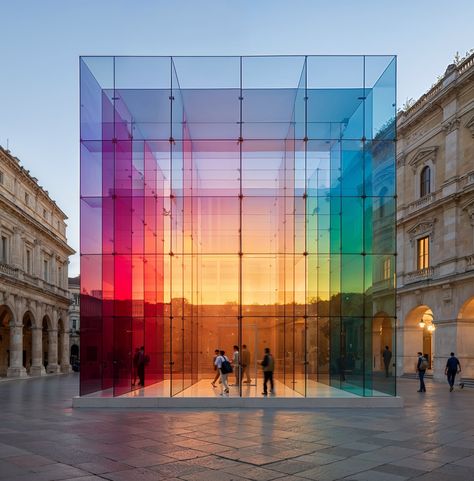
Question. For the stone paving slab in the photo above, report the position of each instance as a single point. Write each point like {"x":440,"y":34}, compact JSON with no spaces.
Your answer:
{"x":42,"y":438}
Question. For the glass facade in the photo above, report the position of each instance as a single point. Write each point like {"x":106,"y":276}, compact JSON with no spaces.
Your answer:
{"x":238,"y":201}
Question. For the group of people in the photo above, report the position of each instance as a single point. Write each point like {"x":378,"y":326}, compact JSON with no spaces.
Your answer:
{"x":240,"y":366}
{"x":453,"y":367}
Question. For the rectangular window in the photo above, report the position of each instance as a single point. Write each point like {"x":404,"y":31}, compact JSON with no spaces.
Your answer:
{"x":28,"y":261}
{"x":386,"y":269}
{"x":1,"y":177}
{"x":60,"y":280}
{"x":45,"y":270}
{"x":423,"y":253}
{"x":27,"y":198}
{"x":4,"y":253}
{"x":74,"y":324}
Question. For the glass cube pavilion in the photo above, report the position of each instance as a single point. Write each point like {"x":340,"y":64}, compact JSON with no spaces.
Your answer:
{"x":238,"y":201}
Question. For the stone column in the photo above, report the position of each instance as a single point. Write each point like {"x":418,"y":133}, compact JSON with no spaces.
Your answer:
{"x":37,"y":259}
{"x":65,"y":363}
{"x":16,"y":368}
{"x":412,"y":342}
{"x":37,"y":367}
{"x":52,"y":367}
{"x":15,"y":250}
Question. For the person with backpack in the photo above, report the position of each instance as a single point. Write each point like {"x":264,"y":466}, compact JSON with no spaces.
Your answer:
{"x":453,"y":366}
{"x":224,"y":367}
{"x":421,"y":367}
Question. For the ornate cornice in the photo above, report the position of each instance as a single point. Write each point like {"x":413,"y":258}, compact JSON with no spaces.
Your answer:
{"x":422,"y":155}
{"x":32,"y":182}
{"x":422,"y":228}
{"x":31,"y":221}
{"x":470,"y":125}
{"x":469,"y":208}
{"x":451,"y":125}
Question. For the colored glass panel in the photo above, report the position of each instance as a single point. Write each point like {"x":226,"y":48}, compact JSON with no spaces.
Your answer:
{"x":237,"y":200}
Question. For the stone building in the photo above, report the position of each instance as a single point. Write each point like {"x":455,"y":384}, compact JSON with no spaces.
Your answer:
{"x":74,"y":284}
{"x":435,"y":224}
{"x":34,"y":296}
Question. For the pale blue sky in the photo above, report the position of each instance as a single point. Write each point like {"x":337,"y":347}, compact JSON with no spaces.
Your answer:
{"x":41,"y":40}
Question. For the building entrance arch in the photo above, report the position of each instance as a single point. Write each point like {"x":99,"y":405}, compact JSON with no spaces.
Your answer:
{"x":465,"y":333}
{"x":45,"y":340}
{"x":418,"y":336}
{"x":6,"y":317}
{"x":60,"y":341}
{"x":382,"y":335}
{"x":27,"y":341}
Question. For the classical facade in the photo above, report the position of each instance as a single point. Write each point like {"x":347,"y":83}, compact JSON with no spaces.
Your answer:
{"x":34,"y":296}
{"x":74,"y":317}
{"x":435,"y":224}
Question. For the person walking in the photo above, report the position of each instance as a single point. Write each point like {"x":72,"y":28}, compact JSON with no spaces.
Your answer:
{"x":142,"y":361}
{"x":268,"y":365}
{"x":136,"y":358}
{"x":453,"y":366}
{"x":216,"y":377}
{"x":421,"y":367}
{"x":235,"y":365}
{"x":224,"y":368}
{"x":387,"y":357}
{"x":245,"y":362}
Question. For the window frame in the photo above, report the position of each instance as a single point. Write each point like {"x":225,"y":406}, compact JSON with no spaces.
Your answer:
{"x":423,"y":253}
{"x":425,"y":181}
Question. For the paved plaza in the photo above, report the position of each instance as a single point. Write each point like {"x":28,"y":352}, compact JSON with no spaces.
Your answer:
{"x":44,"y":439}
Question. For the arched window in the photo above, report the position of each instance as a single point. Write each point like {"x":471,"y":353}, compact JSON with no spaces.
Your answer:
{"x":425,"y":181}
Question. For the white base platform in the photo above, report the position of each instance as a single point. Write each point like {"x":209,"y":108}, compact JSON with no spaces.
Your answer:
{"x":234,"y":402}
{"x":202,"y":395}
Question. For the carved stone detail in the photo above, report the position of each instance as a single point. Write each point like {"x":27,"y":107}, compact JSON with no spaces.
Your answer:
{"x":422,"y":155}
{"x":470,"y":125}
{"x":422,"y":228}
{"x":451,"y":125}
{"x":469,"y":208}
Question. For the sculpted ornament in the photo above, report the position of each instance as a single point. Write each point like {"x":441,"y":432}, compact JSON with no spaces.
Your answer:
{"x":423,"y":228}
{"x":422,"y":155}
{"x":470,"y":125}
{"x":451,"y":125}
{"x":469,"y":208}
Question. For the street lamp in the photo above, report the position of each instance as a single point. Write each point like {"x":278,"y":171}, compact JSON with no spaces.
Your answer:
{"x":431,"y":327}
{"x":422,"y":324}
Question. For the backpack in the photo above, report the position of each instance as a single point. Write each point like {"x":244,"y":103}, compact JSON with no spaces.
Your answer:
{"x":226,"y":367}
{"x":423,"y":364}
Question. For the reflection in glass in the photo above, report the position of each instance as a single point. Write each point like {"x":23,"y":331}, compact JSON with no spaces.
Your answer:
{"x":238,"y":204}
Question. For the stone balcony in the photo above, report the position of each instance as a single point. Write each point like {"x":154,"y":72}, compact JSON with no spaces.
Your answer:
{"x":9,"y":270}
{"x":16,"y":273}
{"x":421,"y":203}
{"x":419,"y":275}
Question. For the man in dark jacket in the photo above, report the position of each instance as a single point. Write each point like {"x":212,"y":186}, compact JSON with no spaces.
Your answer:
{"x":421,"y":369}
{"x":268,"y":365}
{"x":387,"y":357}
{"x":453,"y":366}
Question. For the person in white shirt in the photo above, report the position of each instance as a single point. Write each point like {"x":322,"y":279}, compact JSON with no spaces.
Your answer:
{"x":219,"y":360}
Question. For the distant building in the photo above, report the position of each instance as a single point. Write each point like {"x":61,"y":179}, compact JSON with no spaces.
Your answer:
{"x":74,"y":284}
{"x":435,"y":224}
{"x":34,"y":296}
